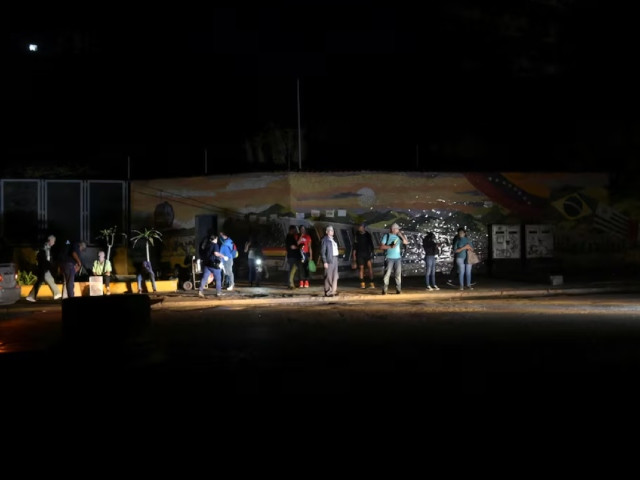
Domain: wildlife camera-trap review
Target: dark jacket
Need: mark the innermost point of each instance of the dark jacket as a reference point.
(210, 258)
(430, 247)
(326, 250)
(291, 241)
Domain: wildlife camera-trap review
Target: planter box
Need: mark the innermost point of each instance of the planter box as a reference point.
(82, 289)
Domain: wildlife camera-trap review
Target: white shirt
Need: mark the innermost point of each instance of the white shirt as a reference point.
(335, 247)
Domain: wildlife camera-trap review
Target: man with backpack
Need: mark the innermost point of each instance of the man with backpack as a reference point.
(393, 257)
(211, 259)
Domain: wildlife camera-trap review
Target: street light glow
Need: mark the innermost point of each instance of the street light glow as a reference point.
(33, 47)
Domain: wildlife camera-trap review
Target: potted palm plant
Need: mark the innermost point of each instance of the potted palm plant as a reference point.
(148, 236)
(109, 235)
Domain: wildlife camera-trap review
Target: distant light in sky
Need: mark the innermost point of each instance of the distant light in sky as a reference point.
(33, 47)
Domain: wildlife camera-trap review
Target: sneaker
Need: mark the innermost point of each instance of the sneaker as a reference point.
(30, 299)
(435, 287)
(219, 294)
(230, 287)
(429, 287)
(371, 285)
(461, 288)
(384, 292)
(363, 285)
(301, 284)
(57, 297)
(398, 291)
(306, 284)
(469, 287)
(200, 294)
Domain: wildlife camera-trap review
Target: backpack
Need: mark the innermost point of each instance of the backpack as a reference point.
(202, 248)
(234, 252)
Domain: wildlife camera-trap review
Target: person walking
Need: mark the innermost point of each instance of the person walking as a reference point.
(71, 265)
(226, 249)
(329, 253)
(393, 257)
(43, 258)
(211, 261)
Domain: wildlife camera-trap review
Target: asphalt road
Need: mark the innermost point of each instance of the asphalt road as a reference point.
(480, 347)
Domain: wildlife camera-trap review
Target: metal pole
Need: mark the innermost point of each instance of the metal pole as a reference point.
(299, 134)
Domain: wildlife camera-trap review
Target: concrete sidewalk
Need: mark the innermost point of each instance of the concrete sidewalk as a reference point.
(274, 292)
(413, 289)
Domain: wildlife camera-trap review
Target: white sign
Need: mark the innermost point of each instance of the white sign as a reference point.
(300, 215)
(505, 241)
(342, 213)
(329, 213)
(539, 240)
(315, 213)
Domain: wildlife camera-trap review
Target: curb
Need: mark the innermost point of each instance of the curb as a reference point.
(170, 300)
(348, 297)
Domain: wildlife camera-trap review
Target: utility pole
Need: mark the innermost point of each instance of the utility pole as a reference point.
(299, 132)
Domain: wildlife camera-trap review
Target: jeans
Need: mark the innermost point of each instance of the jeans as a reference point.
(464, 272)
(396, 265)
(152, 277)
(430, 272)
(252, 270)
(205, 277)
(228, 271)
(69, 269)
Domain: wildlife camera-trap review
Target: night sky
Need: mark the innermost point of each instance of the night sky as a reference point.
(455, 85)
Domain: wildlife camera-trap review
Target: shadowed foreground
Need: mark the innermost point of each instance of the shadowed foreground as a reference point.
(445, 350)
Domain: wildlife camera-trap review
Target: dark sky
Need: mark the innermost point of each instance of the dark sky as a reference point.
(519, 84)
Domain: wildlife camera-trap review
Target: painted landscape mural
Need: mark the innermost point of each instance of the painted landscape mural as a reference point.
(585, 226)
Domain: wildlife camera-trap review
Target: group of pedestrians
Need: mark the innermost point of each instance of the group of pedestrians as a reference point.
(460, 269)
(217, 255)
(392, 244)
(69, 264)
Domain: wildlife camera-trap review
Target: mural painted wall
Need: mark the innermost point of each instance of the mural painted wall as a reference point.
(589, 227)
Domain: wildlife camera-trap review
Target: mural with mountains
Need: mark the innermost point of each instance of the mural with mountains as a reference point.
(585, 216)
